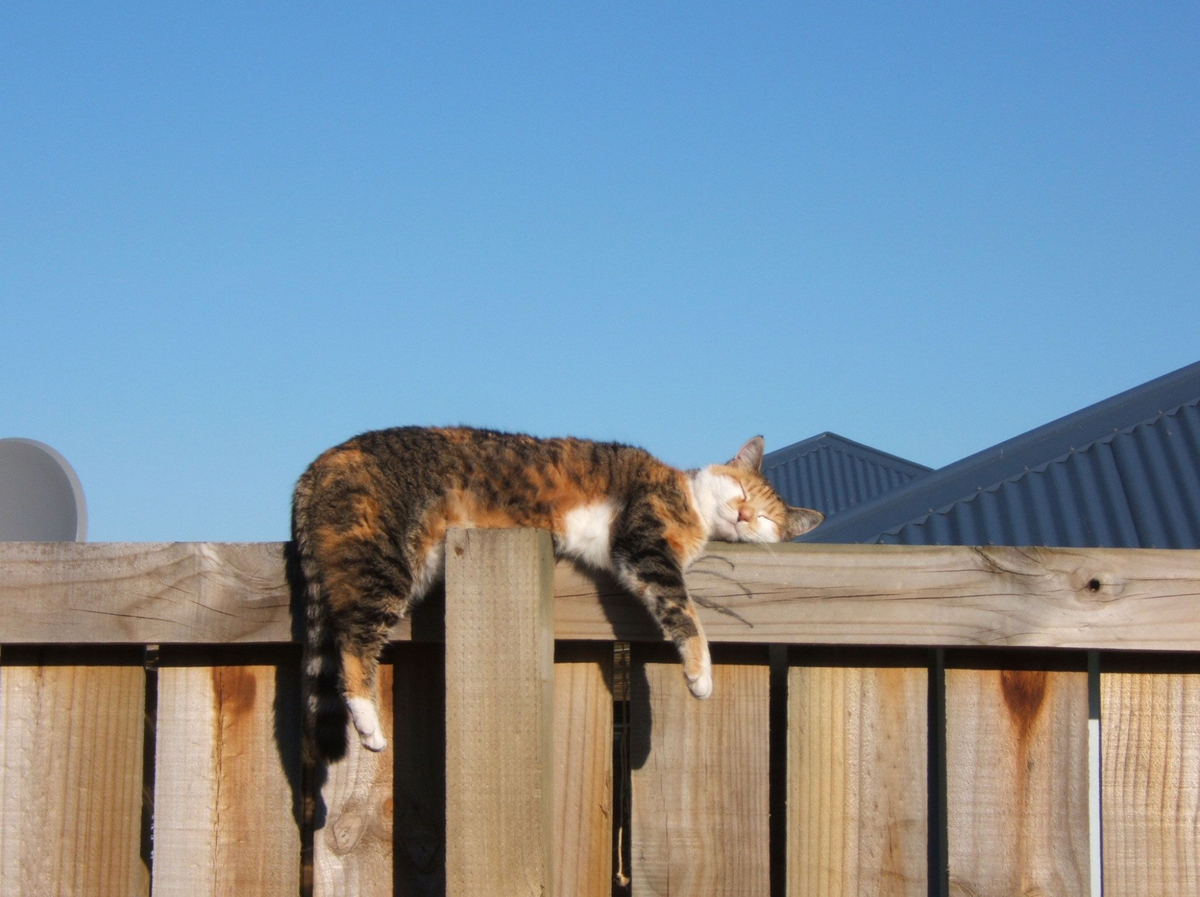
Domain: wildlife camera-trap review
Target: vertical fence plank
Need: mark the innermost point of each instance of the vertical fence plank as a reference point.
(499, 724)
(71, 780)
(352, 843)
(1150, 786)
(583, 771)
(700, 782)
(1017, 782)
(857, 796)
(226, 781)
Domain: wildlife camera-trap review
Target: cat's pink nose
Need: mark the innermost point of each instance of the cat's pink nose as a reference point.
(745, 514)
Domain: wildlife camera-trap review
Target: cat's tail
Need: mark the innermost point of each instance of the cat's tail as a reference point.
(325, 713)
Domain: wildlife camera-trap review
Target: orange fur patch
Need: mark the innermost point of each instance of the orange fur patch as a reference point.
(431, 531)
(693, 652)
(683, 529)
(355, 675)
(340, 458)
(465, 508)
(333, 540)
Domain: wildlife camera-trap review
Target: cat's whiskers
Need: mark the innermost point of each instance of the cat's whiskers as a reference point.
(769, 547)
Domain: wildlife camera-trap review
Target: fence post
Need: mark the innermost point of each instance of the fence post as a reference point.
(499, 723)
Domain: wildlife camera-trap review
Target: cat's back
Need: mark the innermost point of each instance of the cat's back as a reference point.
(525, 479)
(372, 461)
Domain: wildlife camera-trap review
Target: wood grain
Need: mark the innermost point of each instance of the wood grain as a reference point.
(583, 771)
(225, 818)
(700, 777)
(857, 794)
(1017, 782)
(147, 592)
(352, 844)
(499, 713)
(796, 594)
(1150, 783)
(70, 780)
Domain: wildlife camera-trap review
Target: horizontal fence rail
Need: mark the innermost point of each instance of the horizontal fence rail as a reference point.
(885, 720)
(220, 593)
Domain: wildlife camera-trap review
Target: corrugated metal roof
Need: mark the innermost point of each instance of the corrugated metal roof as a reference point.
(831, 473)
(1124, 472)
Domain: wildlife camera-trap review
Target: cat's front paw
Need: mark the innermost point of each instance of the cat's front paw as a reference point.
(697, 668)
(701, 686)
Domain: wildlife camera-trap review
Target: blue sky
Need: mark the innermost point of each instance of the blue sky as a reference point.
(232, 235)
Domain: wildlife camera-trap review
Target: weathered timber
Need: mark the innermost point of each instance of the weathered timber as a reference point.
(857, 816)
(71, 780)
(1150, 783)
(700, 778)
(499, 713)
(224, 808)
(1017, 782)
(143, 592)
(583, 772)
(798, 594)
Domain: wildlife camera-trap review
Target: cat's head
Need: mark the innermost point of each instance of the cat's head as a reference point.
(741, 505)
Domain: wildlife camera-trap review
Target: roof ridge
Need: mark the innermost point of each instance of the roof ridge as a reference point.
(828, 440)
(1073, 450)
(990, 468)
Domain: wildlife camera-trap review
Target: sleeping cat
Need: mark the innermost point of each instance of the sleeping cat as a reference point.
(369, 519)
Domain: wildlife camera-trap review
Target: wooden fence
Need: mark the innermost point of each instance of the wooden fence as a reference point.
(885, 720)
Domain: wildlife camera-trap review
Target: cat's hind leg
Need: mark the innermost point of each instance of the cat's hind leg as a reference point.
(365, 604)
(360, 670)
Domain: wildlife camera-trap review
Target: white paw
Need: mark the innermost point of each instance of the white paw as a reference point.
(702, 686)
(366, 721)
(373, 742)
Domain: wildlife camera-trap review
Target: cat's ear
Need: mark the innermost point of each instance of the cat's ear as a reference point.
(800, 521)
(750, 456)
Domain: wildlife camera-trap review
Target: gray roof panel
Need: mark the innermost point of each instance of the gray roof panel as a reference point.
(1124, 472)
(831, 473)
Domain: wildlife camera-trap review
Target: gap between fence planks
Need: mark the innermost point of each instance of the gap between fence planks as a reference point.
(209, 592)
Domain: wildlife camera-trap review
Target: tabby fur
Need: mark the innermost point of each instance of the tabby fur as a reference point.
(369, 520)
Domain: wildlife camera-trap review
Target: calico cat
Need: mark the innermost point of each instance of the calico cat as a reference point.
(369, 519)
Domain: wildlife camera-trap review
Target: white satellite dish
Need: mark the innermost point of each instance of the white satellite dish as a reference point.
(41, 499)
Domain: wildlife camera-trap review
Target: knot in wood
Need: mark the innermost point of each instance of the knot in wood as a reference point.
(346, 831)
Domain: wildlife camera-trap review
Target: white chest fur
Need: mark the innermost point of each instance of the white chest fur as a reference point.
(587, 534)
(712, 493)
